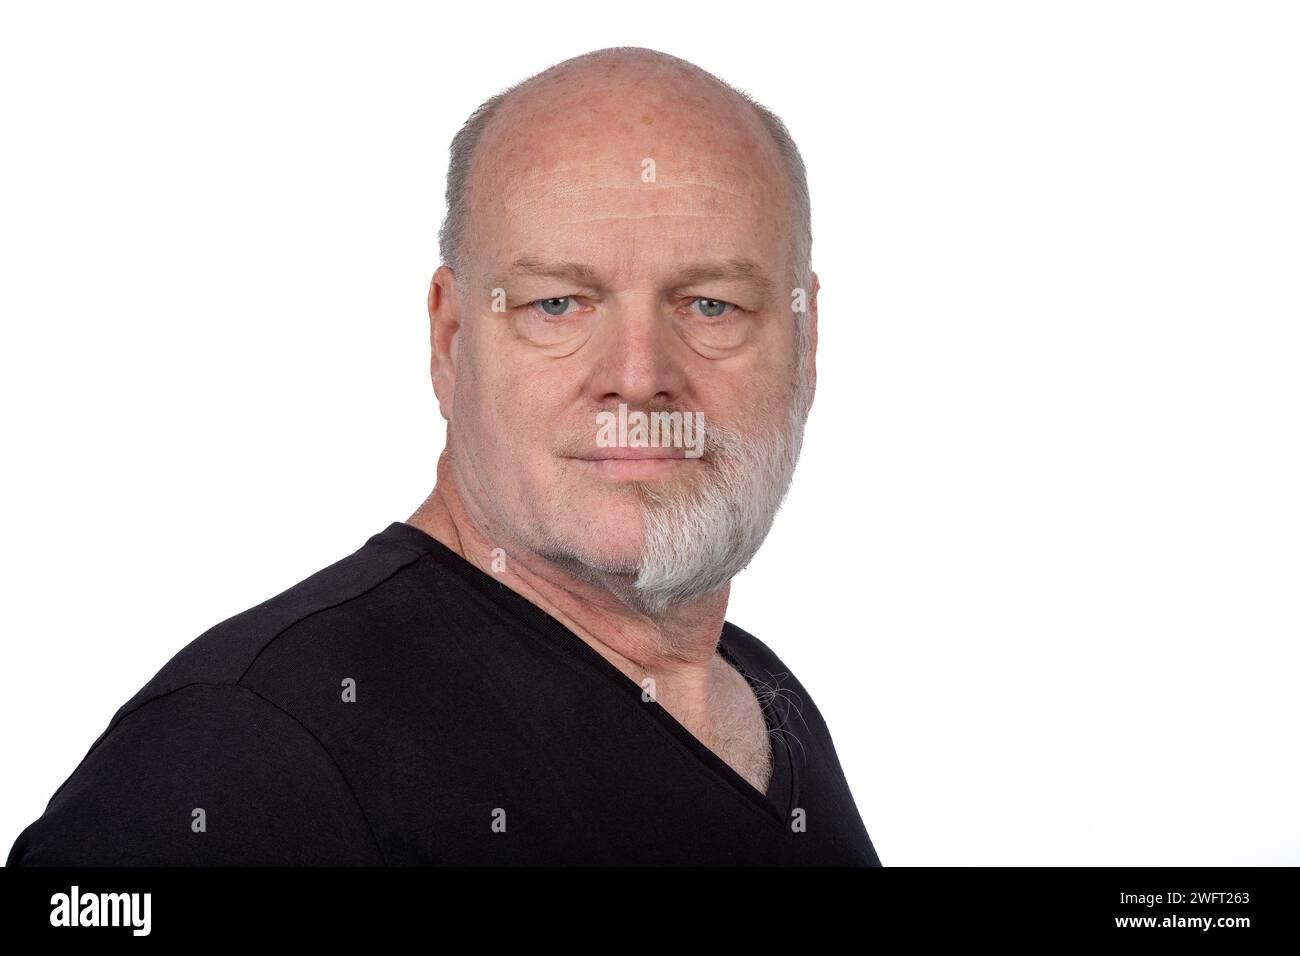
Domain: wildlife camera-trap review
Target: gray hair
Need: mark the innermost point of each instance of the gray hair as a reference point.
(452, 234)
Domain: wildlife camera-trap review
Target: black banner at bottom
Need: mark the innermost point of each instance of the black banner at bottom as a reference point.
(1231, 906)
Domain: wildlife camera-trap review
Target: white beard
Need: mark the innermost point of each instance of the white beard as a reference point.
(699, 537)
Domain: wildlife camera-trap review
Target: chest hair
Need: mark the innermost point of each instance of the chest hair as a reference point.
(737, 730)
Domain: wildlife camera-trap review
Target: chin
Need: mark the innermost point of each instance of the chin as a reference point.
(599, 524)
(610, 538)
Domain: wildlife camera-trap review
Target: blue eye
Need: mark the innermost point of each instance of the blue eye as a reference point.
(713, 308)
(557, 306)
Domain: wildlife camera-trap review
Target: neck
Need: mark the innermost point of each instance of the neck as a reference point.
(677, 650)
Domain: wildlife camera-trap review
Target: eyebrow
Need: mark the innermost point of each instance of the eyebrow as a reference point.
(735, 269)
(532, 266)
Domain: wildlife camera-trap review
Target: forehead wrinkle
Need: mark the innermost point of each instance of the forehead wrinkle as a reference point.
(617, 176)
(713, 162)
(649, 215)
(569, 189)
(734, 269)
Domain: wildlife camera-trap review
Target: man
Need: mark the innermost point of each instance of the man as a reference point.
(535, 667)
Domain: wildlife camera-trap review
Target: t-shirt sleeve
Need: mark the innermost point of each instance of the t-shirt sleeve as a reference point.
(209, 774)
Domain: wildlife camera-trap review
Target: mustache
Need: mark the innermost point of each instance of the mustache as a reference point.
(578, 437)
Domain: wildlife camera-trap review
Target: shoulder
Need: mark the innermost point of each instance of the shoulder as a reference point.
(206, 774)
(207, 740)
(225, 652)
(326, 613)
(329, 615)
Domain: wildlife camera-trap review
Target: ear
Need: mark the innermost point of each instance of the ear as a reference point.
(812, 337)
(444, 323)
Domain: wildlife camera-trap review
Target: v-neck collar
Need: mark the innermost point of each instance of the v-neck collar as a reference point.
(782, 792)
(781, 785)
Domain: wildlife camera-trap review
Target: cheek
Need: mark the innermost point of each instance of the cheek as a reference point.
(756, 391)
(515, 426)
(483, 390)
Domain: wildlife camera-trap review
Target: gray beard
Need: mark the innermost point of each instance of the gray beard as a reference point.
(701, 535)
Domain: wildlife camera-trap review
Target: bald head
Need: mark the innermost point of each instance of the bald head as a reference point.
(679, 114)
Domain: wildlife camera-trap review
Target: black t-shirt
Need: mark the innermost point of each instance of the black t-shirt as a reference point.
(403, 707)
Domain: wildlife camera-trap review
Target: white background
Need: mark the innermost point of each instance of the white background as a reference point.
(1039, 564)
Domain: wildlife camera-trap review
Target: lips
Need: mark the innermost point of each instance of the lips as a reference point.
(636, 464)
(631, 454)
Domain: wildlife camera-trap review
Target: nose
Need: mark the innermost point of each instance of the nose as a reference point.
(635, 360)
